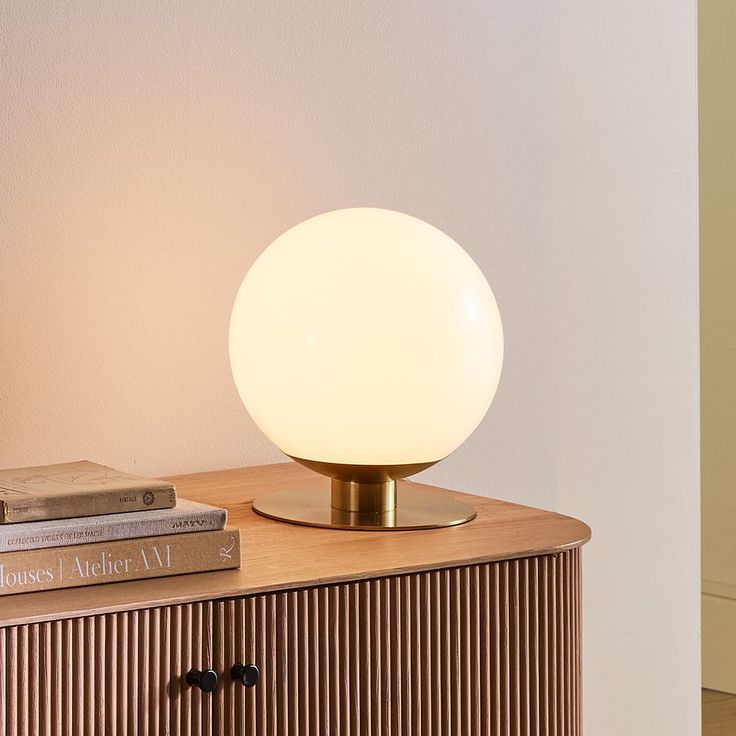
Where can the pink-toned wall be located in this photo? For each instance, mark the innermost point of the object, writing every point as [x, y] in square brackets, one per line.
[149, 151]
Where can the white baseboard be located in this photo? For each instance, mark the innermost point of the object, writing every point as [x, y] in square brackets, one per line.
[719, 642]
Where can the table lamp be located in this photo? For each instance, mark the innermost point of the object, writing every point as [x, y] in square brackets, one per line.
[367, 345]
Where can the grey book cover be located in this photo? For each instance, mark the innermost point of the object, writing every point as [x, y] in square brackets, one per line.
[186, 516]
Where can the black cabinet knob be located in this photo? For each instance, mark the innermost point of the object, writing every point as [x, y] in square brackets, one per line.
[205, 680]
[246, 674]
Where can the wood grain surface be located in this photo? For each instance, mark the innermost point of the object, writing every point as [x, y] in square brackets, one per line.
[719, 713]
[278, 556]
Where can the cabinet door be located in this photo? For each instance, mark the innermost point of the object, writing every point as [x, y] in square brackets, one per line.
[489, 649]
[119, 674]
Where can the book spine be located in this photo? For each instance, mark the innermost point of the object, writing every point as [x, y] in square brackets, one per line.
[108, 562]
[20, 537]
[96, 503]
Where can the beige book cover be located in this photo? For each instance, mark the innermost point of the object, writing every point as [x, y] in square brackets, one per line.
[109, 562]
[80, 488]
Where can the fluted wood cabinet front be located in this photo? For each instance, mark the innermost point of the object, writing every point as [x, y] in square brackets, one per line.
[474, 650]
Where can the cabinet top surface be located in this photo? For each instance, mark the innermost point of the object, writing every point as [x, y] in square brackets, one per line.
[277, 556]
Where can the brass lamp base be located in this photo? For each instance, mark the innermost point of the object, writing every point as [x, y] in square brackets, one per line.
[412, 508]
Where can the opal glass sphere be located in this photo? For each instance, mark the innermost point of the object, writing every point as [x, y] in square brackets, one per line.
[366, 336]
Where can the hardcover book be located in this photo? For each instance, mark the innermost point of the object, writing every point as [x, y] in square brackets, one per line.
[187, 516]
[109, 562]
[75, 489]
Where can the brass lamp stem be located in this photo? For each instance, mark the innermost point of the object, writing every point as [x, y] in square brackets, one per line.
[363, 498]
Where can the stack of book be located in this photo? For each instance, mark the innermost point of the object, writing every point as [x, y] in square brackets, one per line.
[80, 523]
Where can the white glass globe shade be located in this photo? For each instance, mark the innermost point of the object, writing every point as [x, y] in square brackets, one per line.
[366, 336]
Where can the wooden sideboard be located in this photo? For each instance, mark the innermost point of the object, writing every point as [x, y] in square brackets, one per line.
[472, 630]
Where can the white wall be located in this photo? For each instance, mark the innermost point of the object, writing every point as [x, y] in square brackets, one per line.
[150, 151]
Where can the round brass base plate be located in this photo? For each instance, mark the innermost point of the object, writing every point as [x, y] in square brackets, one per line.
[418, 508]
